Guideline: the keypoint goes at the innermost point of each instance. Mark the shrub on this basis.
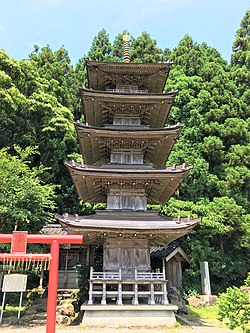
(234, 309)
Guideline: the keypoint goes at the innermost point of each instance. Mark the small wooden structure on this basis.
(125, 145)
(174, 261)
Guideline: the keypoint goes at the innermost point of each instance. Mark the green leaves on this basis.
(234, 309)
(101, 47)
(144, 49)
(26, 203)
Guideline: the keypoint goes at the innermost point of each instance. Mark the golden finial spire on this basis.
(126, 53)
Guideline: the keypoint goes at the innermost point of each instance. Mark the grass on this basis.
(206, 314)
(11, 311)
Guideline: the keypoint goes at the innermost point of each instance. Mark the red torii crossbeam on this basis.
(19, 240)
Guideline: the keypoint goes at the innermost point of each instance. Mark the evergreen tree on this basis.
(215, 140)
(32, 116)
(57, 69)
(241, 45)
(101, 48)
(144, 49)
(240, 61)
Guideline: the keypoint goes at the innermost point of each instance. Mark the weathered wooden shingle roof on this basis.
(151, 76)
(100, 106)
(92, 182)
(159, 230)
(96, 143)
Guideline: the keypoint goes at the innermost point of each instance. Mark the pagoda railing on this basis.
(128, 90)
(104, 275)
(118, 275)
(145, 287)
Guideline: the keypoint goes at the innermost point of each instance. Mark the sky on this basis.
(74, 23)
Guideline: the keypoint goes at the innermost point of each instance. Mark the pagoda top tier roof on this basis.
(93, 182)
(97, 142)
(159, 230)
(99, 107)
(147, 76)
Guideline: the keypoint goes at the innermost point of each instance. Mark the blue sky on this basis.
(74, 23)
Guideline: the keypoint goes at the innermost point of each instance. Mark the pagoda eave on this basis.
(97, 143)
(100, 107)
(160, 230)
(93, 182)
(153, 75)
(127, 171)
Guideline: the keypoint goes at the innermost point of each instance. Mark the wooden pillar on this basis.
(152, 294)
(88, 256)
(165, 294)
(135, 299)
(41, 277)
(65, 275)
(119, 300)
(164, 267)
(90, 301)
(104, 302)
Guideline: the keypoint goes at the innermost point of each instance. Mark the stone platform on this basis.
(129, 315)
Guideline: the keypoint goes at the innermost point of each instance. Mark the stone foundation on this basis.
(128, 315)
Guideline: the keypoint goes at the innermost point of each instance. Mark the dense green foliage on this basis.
(39, 100)
(25, 202)
(234, 307)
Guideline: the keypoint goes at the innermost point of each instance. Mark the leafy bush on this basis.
(234, 308)
(247, 281)
(191, 285)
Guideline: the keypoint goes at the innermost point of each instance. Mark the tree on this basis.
(26, 203)
(221, 238)
(56, 68)
(240, 62)
(32, 116)
(101, 48)
(241, 44)
(144, 49)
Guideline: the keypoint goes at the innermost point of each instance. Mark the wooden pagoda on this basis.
(125, 144)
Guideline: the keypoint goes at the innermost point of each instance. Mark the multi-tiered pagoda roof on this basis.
(125, 143)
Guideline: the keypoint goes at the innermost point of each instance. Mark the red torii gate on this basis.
(19, 240)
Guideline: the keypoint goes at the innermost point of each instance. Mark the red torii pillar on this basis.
(19, 240)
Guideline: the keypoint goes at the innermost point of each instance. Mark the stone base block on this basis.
(128, 315)
(202, 301)
(209, 299)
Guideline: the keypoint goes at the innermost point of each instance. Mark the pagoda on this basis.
(125, 143)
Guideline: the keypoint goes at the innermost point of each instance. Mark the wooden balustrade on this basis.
(150, 287)
(128, 90)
